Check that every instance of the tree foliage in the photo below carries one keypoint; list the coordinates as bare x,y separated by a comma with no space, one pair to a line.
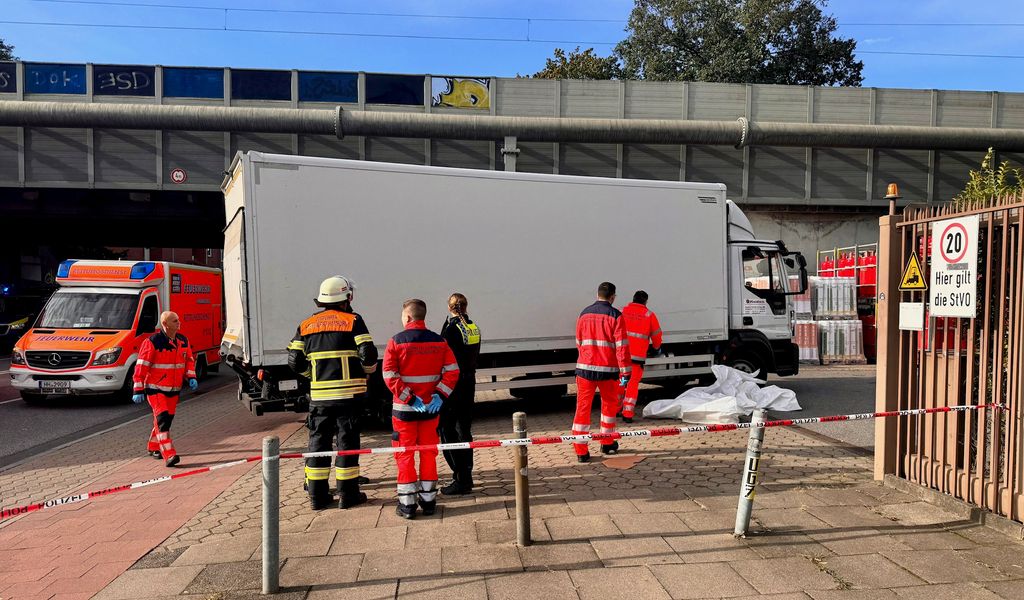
578,65
7,51
733,41
990,182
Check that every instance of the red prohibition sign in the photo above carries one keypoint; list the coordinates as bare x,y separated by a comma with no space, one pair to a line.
942,245
179,176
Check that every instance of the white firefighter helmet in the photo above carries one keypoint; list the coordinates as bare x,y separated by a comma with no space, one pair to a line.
336,289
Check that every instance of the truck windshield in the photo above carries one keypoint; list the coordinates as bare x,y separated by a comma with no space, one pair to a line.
82,310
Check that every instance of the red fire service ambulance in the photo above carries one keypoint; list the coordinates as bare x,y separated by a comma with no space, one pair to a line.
87,337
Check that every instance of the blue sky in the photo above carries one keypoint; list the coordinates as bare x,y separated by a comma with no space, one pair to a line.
877,25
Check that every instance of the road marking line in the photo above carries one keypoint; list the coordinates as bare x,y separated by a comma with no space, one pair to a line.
148,415
9,401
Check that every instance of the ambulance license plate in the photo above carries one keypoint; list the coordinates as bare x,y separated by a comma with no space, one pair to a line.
288,385
55,387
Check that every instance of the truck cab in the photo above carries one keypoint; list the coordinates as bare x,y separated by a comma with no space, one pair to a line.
764,276
86,339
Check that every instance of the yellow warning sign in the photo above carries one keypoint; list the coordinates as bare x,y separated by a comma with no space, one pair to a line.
913,276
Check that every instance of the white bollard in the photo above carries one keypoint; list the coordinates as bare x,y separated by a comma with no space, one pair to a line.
748,485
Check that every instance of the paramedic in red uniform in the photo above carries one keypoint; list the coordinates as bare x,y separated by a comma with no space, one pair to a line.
421,371
644,332
603,364
164,366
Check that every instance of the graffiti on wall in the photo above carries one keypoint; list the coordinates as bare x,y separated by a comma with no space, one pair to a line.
460,92
54,79
115,80
8,78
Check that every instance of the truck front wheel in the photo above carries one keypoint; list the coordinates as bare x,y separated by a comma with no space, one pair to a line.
749,363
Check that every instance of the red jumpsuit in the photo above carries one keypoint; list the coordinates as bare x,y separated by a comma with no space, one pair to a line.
603,358
162,368
643,330
417,363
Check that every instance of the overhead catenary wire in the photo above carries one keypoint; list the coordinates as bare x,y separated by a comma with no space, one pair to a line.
135,4
527,39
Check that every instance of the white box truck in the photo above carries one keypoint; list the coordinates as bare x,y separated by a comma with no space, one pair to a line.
528,250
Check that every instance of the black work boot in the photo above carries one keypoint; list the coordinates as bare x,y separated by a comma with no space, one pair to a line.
583,458
428,508
626,419
319,494
350,494
172,461
456,488
156,454
612,448
406,511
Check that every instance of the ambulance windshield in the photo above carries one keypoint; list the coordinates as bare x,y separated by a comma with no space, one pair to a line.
86,310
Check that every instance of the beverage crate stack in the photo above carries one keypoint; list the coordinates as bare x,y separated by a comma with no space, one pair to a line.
827,328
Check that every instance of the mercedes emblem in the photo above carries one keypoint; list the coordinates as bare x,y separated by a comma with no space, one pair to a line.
54,359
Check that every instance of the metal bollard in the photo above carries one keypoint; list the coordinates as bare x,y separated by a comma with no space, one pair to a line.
271,509
522,482
748,485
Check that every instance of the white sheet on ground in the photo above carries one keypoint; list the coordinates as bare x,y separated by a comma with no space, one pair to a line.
733,394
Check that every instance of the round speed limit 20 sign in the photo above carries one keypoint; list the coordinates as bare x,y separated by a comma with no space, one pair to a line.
953,279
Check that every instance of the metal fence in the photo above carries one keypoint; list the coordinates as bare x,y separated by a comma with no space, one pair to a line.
977,458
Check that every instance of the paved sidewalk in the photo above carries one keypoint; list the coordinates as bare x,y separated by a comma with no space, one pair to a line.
654,522
75,550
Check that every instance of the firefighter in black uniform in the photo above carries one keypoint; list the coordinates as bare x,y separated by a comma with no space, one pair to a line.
463,336
334,350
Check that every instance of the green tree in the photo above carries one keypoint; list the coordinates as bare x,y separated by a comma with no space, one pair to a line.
578,65
732,41
7,51
990,183
737,41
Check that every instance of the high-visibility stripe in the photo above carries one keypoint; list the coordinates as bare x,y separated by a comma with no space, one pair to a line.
346,473
333,354
401,407
347,394
450,367
621,343
447,390
592,342
390,374
318,473
144,363
336,383
656,332
587,367
634,334
421,378
405,394
167,365
163,388
297,345
363,339
639,359
581,427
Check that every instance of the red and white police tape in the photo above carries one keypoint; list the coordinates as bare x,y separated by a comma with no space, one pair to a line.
8,513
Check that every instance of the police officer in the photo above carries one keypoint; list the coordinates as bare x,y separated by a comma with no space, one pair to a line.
463,337
334,350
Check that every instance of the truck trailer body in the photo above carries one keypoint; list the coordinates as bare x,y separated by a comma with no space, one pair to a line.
528,250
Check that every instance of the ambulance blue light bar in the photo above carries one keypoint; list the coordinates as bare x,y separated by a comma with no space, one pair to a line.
142,270
64,269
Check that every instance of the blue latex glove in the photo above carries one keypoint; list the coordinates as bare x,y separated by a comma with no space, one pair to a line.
623,380
417,405
193,384
139,398
435,404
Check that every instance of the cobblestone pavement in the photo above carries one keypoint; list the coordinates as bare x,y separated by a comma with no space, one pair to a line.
653,522
73,551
